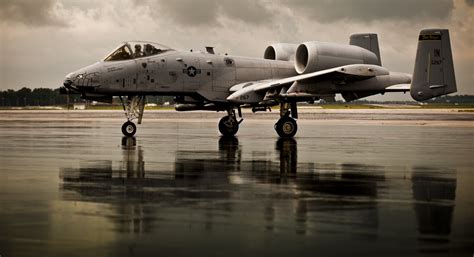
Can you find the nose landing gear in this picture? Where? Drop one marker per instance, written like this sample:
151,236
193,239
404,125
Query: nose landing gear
133,108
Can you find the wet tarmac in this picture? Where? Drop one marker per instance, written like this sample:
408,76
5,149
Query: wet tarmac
400,184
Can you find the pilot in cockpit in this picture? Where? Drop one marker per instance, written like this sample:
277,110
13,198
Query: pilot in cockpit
148,49
138,51
151,50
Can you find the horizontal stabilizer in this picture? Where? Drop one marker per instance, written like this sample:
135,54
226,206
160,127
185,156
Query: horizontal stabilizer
398,88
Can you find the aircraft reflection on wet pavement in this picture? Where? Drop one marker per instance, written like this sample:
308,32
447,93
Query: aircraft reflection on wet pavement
218,187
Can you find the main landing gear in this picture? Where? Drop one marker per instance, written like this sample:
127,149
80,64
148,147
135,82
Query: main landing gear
133,107
286,126
228,125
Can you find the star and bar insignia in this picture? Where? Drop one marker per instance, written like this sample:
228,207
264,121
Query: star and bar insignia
192,71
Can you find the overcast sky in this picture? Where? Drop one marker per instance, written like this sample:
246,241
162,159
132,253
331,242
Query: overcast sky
43,40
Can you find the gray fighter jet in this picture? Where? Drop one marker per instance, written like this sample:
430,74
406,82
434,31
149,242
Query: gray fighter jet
288,74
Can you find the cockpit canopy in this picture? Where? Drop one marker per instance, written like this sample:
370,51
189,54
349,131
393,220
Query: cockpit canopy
135,49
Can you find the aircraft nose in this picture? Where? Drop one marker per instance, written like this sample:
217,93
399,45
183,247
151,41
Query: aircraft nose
67,83
86,77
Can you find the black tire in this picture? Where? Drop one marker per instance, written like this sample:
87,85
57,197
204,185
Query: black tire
286,127
228,126
129,128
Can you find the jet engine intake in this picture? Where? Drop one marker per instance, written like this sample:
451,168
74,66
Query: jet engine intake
280,52
316,56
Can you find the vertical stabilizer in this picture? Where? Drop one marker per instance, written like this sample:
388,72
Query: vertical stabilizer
367,41
434,70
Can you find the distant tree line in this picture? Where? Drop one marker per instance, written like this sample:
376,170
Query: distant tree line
461,99
51,97
35,97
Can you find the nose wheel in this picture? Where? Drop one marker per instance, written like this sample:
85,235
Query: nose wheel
129,128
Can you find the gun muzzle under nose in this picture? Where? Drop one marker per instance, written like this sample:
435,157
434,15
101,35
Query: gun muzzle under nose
67,83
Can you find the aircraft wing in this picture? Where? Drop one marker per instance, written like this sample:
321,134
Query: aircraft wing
250,92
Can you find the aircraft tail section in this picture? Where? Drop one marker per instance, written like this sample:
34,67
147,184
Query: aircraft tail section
367,41
434,70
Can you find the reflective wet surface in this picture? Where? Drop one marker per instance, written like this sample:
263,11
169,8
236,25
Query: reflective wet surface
71,185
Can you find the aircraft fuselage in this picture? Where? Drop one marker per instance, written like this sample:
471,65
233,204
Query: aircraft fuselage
179,73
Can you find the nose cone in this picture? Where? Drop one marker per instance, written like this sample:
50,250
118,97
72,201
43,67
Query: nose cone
71,75
85,77
67,83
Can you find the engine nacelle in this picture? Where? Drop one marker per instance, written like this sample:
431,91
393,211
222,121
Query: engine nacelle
280,52
316,56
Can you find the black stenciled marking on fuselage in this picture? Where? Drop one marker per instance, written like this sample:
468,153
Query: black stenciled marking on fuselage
192,71
429,37
229,61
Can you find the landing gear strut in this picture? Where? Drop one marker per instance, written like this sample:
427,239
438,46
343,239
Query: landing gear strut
286,126
133,107
228,125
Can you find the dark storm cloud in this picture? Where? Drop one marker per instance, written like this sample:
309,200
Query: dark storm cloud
208,12
258,12
371,10
186,12
29,12
249,11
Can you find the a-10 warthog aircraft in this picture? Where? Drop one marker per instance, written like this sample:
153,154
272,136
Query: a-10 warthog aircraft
288,74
